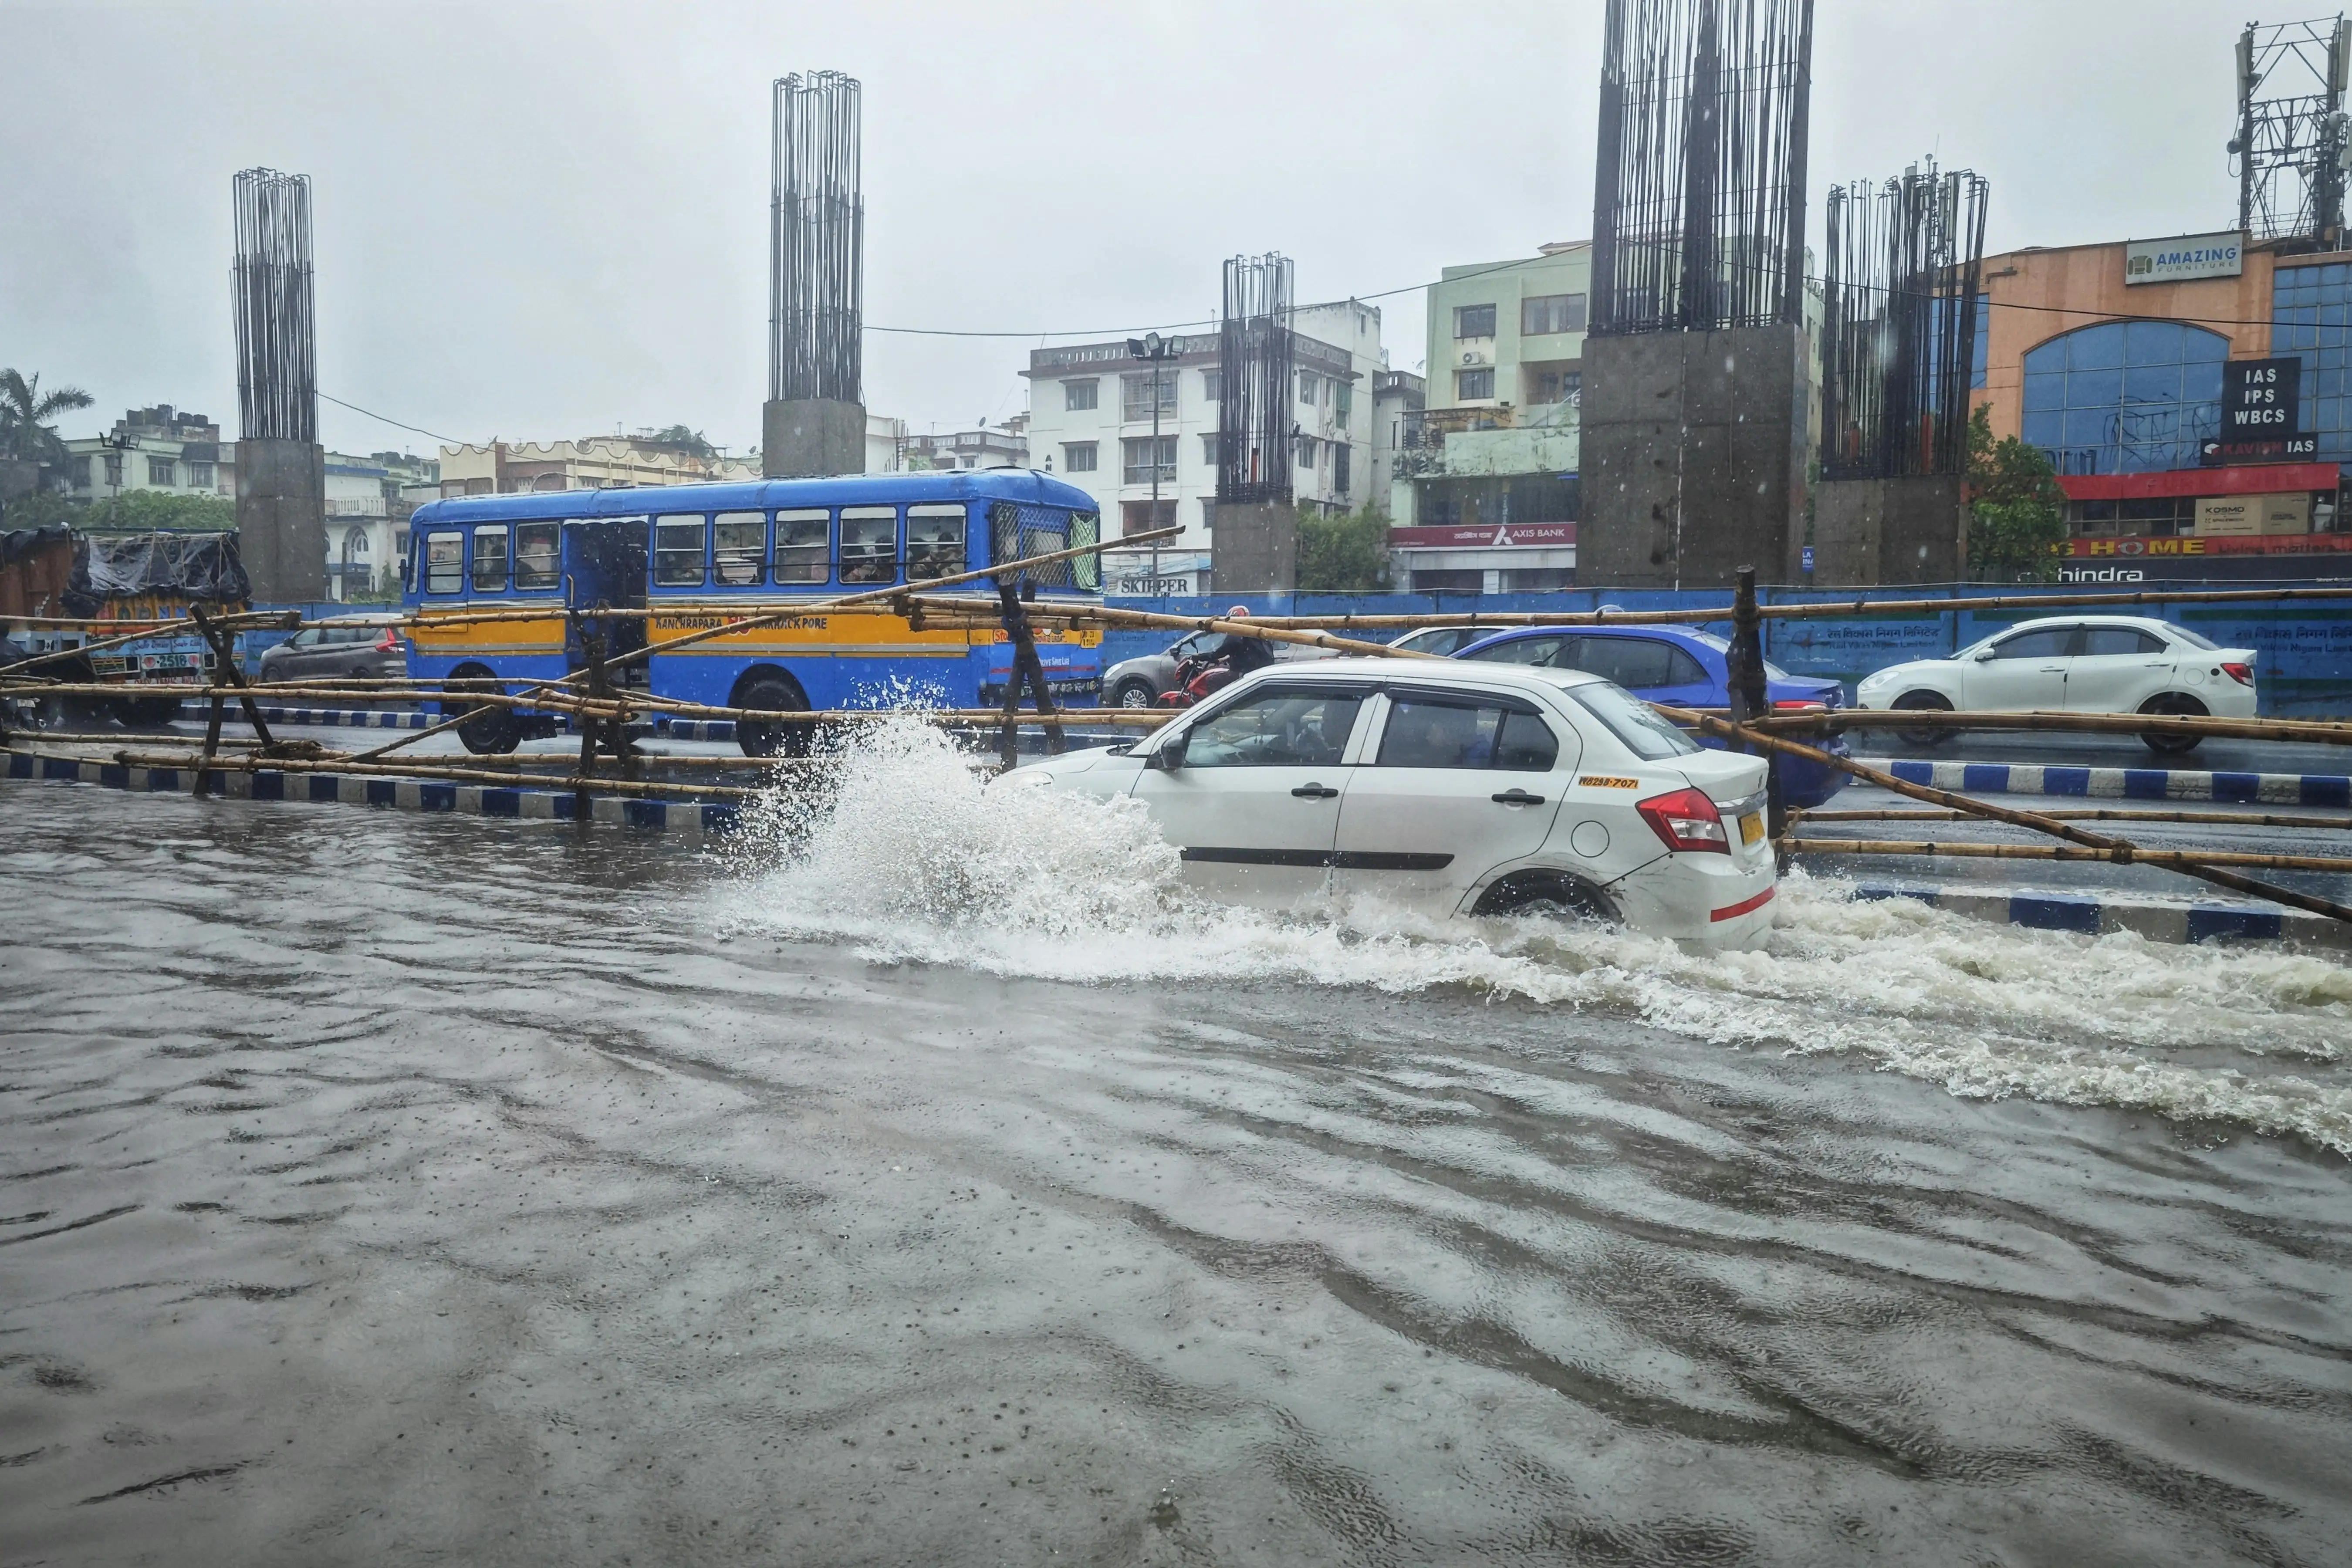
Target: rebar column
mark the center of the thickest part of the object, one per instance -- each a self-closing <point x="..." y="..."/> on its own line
<point x="814" y="420"/>
<point x="281" y="478"/>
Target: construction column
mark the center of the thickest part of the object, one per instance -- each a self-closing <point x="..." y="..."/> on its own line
<point x="281" y="469"/>
<point x="815" y="418"/>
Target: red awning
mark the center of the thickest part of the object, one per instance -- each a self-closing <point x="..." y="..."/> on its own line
<point x="2233" y="479"/>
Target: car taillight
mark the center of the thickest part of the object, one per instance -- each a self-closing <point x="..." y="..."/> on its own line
<point x="1685" y="820"/>
<point x="1786" y="704"/>
<point x="388" y="642"/>
<point x="2243" y="674"/>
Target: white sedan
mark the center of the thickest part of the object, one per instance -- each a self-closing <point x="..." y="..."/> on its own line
<point x="1453" y="788"/>
<point x="2075" y="664"/>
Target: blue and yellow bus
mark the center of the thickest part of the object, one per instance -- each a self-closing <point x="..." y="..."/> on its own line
<point x="696" y="556"/>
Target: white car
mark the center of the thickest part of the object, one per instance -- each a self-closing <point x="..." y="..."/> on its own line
<point x="2075" y="664"/>
<point x="1453" y="788"/>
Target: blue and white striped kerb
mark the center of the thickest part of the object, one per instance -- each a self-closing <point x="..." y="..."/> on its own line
<point x="401" y="795"/>
<point x="2128" y="784"/>
<point x="2153" y="919"/>
<point x="346" y="718"/>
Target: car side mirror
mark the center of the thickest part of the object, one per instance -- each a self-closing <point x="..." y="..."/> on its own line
<point x="1167" y="758"/>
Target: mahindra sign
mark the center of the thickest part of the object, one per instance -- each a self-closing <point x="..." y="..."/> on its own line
<point x="1498" y="536"/>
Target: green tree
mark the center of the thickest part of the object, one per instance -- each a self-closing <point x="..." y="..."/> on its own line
<point x="28" y="414"/>
<point x="1348" y="554"/>
<point x="688" y="440"/>
<point x="2017" y="513"/>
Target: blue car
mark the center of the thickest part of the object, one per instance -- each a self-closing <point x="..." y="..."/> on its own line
<point x="1682" y="668"/>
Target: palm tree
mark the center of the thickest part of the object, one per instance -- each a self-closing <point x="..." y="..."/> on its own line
<point x="26" y="416"/>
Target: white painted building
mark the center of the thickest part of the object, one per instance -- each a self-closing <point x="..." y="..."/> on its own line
<point x="158" y="448"/>
<point x="1091" y="409"/>
<point x="369" y="501"/>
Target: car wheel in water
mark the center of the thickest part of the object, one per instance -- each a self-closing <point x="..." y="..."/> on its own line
<point x="1132" y="694"/>
<point x="1561" y="898"/>
<point x="760" y="738"/>
<point x="1924" y="702"/>
<point x="2165" y="745"/>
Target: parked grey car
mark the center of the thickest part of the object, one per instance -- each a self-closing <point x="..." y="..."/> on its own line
<point x="372" y="651"/>
<point x="1447" y="641"/>
<point x="1138" y="682"/>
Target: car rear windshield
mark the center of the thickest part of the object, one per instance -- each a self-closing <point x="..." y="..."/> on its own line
<point x="2193" y="639"/>
<point x="1632" y="721"/>
<point x="1723" y="644"/>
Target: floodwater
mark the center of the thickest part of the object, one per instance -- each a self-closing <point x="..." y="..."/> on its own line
<point x="923" y="1180"/>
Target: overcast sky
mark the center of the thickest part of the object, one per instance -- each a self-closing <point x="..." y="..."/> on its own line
<point x="538" y="221"/>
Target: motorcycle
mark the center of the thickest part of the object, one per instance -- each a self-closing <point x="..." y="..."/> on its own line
<point x="1196" y="679"/>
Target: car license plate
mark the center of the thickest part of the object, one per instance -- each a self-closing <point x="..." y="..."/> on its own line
<point x="1751" y="828"/>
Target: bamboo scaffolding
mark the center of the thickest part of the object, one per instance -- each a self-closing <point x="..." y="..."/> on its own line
<point x="256" y="620"/>
<point x="2098" y="814"/>
<point x="554" y="783"/>
<point x="2120" y="854"/>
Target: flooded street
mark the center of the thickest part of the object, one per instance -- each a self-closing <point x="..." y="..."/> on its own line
<point x="932" y="1182"/>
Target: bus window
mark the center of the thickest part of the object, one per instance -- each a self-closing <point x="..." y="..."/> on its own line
<point x="444" y="562"/>
<point x="934" y="542"/>
<point x="1086" y="571"/>
<point x="800" y="539"/>
<point x="678" y="553"/>
<point x="538" y="554"/>
<point x="739" y="548"/>
<point x="869" y="543"/>
<point x="1017" y="530"/>
<point x="490" y="559"/>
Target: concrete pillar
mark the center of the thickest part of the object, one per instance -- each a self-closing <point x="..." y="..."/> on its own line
<point x="1867" y="532"/>
<point x="1693" y="459"/>
<point x="1254" y="549"/>
<point x="281" y="520"/>
<point x="810" y="437"/>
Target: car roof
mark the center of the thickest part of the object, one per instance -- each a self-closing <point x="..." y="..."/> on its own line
<point x="1374" y="670"/>
<point x="2090" y="621"/>
<point x="1514" y="633"/>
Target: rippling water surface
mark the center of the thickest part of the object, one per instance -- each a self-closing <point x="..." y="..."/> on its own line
<point x="927" y="1180"/>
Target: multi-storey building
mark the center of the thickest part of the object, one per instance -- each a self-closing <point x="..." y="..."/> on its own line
<point x="1483" y="485"/>
<point x="159" y="448"/>
<point x="591" y="463"/>
<point x="369" y="501"/>
<point x="1004" y="447"/>
<point x="1094" y="409"/>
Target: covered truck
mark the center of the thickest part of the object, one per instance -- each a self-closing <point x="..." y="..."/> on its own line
<point x="124" y="583"/>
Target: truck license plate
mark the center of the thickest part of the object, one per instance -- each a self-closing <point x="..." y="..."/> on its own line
<point x="1751" y="828"/>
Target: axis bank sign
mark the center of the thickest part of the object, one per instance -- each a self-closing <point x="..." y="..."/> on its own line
<point x="2191" y="256"/>
<point x="1493" y="536"/>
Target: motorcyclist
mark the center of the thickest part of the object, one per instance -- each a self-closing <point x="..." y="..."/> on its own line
<point x="1239" y="654"/>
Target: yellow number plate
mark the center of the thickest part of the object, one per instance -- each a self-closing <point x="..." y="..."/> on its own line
<point x="1751" y="828"/>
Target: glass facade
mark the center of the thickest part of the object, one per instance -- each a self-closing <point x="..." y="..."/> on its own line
<point x="2125" y="397"/>
<point x="2309" y="308"/>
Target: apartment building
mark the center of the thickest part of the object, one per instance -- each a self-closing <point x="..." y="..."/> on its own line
<point x="159" y="448"/>
<point x="1092" y="410"/>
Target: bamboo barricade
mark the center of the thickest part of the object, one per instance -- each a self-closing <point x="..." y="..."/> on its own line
<point x="556" y="782"/>
<point x="2318" y="731"/>
<point x="2121" y="854"/>
<point x="2081" y="814"/>
<point x="251" y="620"/>
<point x="2034" y="821"/>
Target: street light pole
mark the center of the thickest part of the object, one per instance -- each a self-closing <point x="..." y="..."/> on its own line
<point x="1155" y="350"/>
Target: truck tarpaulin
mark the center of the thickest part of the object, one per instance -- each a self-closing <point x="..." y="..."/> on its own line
<point x="199" y="566"/>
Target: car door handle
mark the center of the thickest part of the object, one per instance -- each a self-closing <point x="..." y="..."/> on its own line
<point x="1314" y="792"/>
<point x="1517" y="797"/>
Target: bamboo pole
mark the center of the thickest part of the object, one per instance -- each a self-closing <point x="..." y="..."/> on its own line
<point x="250" y="621"/>
<point x="555" y="783"/>
<point x="2039" y="824"/>
<point x="1110" y="616"/>
<point x="2100" y="813"/>
<point x="2120" y="854"/>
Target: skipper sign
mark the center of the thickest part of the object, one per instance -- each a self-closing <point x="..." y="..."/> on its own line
<point x="2188" y="257"/>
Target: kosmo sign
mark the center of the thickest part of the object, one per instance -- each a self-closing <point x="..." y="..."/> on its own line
<point x="2188" y="257"/>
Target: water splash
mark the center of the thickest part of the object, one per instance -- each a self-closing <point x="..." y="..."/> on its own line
<point x="909" y="858"/>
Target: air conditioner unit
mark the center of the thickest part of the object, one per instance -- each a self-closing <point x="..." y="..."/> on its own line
<point x="1472" y="356"/>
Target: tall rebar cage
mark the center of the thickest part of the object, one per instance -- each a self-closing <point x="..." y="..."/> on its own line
<point x="1899" y="323"/>
<point x="1253" y="423"/>
<point x="816" y="242"/>
<point x="277" y="345"/>
<point x="1698" y="207"/>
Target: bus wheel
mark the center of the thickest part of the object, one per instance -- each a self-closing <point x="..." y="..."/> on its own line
<point x="761" y="738"/>
<point x="487" y="731"/>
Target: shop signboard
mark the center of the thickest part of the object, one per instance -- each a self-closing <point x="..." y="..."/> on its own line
<point x="2260" y="397"/>
<point x="1485" y="536"/>
<point x="2185" y="257"/>
<point x="2259" y="449"/>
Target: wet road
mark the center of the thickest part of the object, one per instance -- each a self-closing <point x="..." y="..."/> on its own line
<point x="381" y="1188"/>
